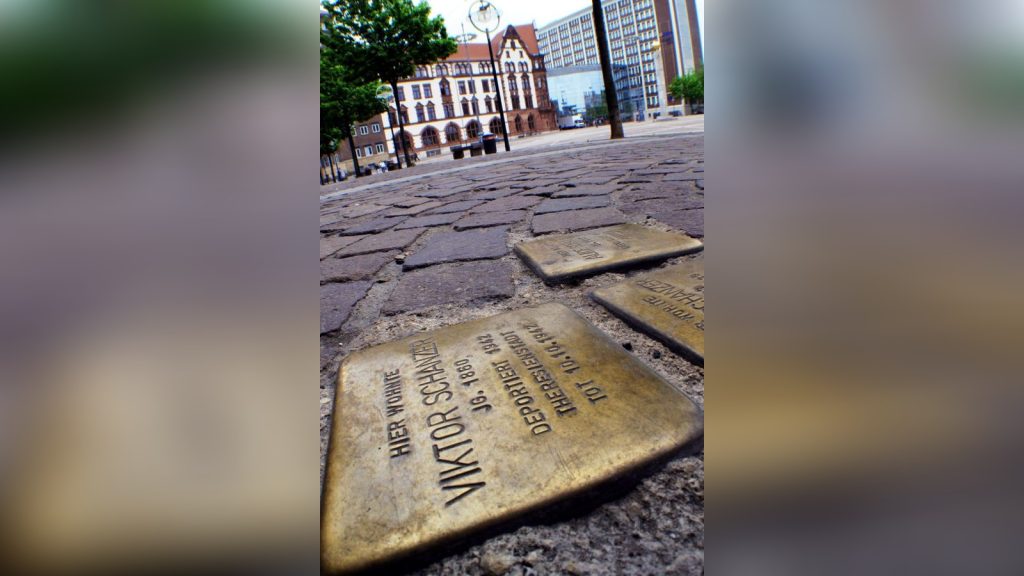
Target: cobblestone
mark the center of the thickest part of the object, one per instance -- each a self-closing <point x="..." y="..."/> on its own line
<point x="452" y="284"/>
<point x="563" y="204"/>
<point x="460" y="246"/>
<point x="576" y="220"/>
<point x="393" y="240"/>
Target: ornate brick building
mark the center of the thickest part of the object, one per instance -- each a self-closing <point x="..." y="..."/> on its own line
<point x="453" y="101"/>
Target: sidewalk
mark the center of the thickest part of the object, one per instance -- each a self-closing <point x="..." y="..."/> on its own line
<point x="432" y="246"/>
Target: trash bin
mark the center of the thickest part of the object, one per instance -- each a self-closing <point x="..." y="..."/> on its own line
<point x="476" y="149"/>
<point x="458" y="153"/>
<point x="490" y="142"/>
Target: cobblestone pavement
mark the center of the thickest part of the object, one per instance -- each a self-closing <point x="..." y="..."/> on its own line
<point x="418" y="251"/>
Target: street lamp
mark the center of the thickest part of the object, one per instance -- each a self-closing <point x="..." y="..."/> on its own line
<point x="485" y="17"/>
<point x="384" y="93"/>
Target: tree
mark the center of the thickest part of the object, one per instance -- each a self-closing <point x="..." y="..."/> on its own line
<point x="606" y="70"/>
<point x="343" y="102"/>
<point x="597" y="107"/>
<point x="386" y="40"/>
<point x="689" y="87"/>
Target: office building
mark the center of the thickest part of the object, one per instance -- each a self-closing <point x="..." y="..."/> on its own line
<point x="656" y="40"/>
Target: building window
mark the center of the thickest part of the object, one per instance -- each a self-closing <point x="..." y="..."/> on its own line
<point x="429" y="136"/>
<point x="369" y="151"/>
<point x="452" y="133"/>
<point x="445" y="88"/>
<point x="359" y="152"/>
<point x="529" y="100"/>
<point x="531" y="123"/>
<point x="489" y="104"/>
<point x="416" y="91"/>
<point x="431" y="115"/>
<point x="380" y="148"/>
<point x="473" y="130"/>
<point x="376" y="127"/>
<point x="462" y="87"/>
<point x="476" y="105"/>
<point x="419" y="113"/>
<point x="485" y="85"/>
<point x="449" y="110"/>
<point x="364" y="130"/>
<point x="472" y="86"/>
<point x="427" y="91"/>
<point x="401" y="92"/>
<point x="465" y="107"/>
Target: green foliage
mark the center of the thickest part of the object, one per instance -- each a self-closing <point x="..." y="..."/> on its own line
<point x="385" y="39"/>
<point x="344" y="100"/>
<point x="689" y="87"/>
<point x="597" y="107"/>
<point x="64" y="61"/>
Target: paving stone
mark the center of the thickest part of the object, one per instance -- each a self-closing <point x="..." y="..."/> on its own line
<point x="460" y="206"/>
<point x="337" y="301"/>
<point x="459" y="284"/>
<point x="336" y="226"/>
<point x="543" y="190"/>
<point x="490" y="219"/>
<point x="392" y="240"/>
<point x="685" y="176"/>
<point x="689" y="221"/>
<point x="332" y="244"/>
<point x="594" y="179"/>
<point x="576" y="220"/>
<point x="493" y="194"/>
<point x="647" y="192"/>
<point x="563" y="204"/>
<point x="586" y="190"/>
<point x="361" y="267"/>
<point x="427" y="221"/>
<point x="657" y="205"/>
<point x="371" y="226"/>
<point x="360" y="210"/>
<point x="327" y="218"/>
<point x="441" y="193"/>
<point x="409" y="201"/>
<point x="506" y="204"/>
<point x="413" y="210"/>
<point x="638" y="179"/>
<point x="458" y="246"/>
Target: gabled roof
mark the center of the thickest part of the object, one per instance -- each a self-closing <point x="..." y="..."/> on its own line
<point x="478" y="50"/>
<point x="524" y="32"/>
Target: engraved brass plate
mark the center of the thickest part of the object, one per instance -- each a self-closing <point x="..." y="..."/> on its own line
<point x="667" y="304"/>
<point x="449" y="433"/>
<point x="563" y="256"/>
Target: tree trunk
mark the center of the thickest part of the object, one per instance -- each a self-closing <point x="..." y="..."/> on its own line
<point x="614" y="118"/>
<point x="401" y="123"/>
<point x="330" y="164"/>
<point x="352" y="148"/>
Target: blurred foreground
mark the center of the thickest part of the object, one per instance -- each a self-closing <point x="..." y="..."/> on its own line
<point x="159" y="292"/>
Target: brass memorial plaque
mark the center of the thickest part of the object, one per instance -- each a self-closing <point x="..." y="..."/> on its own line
<point x="667" y="304"/>
<point x="449" y="433"/>
<point x="563" y="256"/>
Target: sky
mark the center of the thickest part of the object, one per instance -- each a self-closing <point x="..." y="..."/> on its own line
<point x="540" y="12"/>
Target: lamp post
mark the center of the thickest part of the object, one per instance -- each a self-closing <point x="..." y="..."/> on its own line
<point x="384" y="93"/>
<point x="485" y="17"/>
